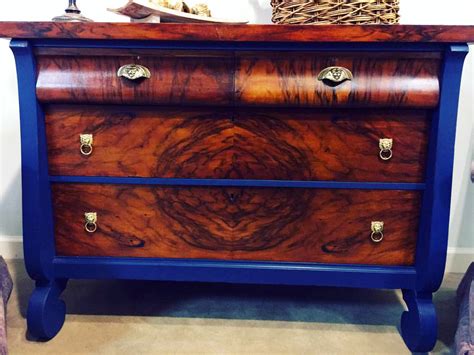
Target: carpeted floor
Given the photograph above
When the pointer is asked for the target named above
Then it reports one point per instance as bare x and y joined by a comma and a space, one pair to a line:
132, 317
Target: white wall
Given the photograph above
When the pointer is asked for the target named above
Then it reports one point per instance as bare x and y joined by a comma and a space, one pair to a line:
256, 11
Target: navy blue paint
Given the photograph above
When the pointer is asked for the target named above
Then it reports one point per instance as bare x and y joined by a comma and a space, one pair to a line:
37, 211
235, 272
434, 224
46, 311
243, 46
238, 183
419, 325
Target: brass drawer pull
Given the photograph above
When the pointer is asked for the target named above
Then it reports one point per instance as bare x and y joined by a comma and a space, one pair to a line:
86, 144
377, 231
386, 145
134, 72
91, 222
335, 75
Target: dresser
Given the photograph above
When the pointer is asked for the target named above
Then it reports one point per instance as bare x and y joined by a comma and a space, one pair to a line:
266, 154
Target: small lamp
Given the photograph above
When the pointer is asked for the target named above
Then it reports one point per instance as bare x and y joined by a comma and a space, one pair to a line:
72, 14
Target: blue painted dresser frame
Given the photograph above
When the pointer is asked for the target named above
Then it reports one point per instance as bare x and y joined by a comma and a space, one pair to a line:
46, 312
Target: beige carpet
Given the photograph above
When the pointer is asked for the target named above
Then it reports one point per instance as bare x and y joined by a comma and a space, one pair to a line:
132, 317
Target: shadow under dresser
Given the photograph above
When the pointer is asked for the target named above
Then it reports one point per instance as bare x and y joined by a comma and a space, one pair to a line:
321, 156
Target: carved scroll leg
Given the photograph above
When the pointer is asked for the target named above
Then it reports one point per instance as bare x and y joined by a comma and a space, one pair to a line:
46, 312
419, 325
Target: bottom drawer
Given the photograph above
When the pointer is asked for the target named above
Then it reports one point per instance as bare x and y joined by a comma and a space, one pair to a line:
266, 224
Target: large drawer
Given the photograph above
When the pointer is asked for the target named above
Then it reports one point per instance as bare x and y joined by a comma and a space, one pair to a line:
175, 78
294, 225
258, 144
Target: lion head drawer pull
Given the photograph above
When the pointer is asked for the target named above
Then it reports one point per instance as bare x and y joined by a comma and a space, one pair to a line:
134, 72
377, 231
386, 145
90, 222
86, 143
334, 76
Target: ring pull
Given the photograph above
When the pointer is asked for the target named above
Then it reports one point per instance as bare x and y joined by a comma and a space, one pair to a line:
134, 72
86, 144
377, 231
334, 76
385, 145
91, 222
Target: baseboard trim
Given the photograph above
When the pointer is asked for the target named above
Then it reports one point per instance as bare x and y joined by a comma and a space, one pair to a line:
11, 247
458, 259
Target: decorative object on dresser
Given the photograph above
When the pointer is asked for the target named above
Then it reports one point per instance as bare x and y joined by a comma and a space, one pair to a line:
298, 155
169, 11
344, 12
72, 14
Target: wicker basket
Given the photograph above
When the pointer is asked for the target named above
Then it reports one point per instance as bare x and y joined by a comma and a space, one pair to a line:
351, 12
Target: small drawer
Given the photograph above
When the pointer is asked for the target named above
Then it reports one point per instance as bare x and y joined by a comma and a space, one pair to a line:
176, 78
267, 224
259, 144
338, 79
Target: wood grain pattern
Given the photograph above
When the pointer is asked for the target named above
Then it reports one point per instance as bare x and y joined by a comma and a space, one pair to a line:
239, 33
201, 78
339, 145
195, 79
132, 141
248, 144
291, 80
299, 225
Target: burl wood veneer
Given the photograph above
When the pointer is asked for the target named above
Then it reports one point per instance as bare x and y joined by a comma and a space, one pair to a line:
380, 80
189, 78
239, 33
271, 79
243, 144
303, 225
241, 106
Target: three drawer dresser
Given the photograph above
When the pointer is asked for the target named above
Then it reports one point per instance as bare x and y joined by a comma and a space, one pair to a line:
273, 154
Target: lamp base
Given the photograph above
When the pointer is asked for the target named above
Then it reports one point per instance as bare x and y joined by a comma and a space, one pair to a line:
71, 17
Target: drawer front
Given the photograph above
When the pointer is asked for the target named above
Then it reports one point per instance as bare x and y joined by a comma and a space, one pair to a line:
378, 80
244, 79
181, 79
292, 145
294, 225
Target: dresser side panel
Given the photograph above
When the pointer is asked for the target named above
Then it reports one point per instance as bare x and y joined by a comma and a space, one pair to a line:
38, 234
434, 224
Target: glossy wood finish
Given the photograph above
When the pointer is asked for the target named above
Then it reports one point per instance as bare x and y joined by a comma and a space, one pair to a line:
269, 79
303, 225
257, 144
245, 230
240, 33
332, 145
132, 141
379, 80
188, 79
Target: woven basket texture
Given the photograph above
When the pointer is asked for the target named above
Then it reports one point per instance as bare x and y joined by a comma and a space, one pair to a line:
350, 12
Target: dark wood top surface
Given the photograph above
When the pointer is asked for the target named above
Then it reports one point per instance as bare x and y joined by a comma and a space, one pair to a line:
239, 33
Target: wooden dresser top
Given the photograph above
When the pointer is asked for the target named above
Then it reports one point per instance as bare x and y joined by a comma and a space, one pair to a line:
239, 33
